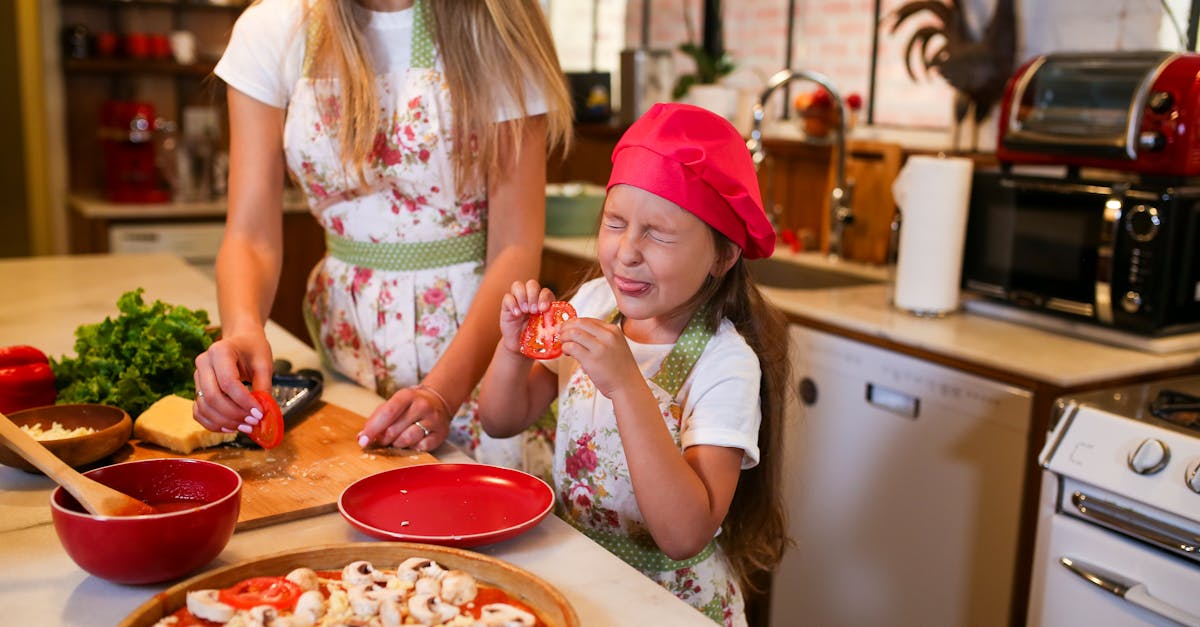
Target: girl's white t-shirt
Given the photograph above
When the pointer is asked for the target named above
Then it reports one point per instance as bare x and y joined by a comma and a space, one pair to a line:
265, 55
719, 399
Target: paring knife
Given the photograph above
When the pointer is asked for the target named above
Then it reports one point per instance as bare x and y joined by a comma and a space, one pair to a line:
1135, 592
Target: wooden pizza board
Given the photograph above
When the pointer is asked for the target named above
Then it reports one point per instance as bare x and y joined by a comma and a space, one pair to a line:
303, 476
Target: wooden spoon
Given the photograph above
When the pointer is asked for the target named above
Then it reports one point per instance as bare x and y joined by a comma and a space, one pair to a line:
94, 496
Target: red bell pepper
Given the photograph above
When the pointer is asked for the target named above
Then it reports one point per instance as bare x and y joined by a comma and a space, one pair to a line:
26, 379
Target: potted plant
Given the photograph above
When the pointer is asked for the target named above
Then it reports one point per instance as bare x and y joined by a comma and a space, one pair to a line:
701, 87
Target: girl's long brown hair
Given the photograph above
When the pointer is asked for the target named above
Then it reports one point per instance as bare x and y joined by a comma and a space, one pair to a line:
492, 52
754, 534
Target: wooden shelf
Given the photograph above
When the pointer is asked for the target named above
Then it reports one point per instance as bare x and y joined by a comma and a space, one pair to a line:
136, 66
199, 5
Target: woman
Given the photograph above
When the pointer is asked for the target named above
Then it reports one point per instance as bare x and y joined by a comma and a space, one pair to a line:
417, 130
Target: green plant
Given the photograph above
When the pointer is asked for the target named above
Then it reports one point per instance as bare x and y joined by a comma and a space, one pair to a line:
709, 68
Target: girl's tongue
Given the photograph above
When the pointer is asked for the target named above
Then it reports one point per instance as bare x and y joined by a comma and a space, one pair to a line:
630, 287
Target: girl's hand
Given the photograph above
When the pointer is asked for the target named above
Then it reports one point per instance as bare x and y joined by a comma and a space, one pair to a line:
414, 417
222, 401
521, 301
603, 353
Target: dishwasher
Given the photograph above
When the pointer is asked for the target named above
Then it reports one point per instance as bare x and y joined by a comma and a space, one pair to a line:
903, 483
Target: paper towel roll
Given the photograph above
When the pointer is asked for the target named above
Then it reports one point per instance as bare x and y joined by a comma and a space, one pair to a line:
933, 194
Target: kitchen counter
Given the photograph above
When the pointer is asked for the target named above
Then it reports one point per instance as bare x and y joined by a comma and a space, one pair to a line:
963, 339
39, 584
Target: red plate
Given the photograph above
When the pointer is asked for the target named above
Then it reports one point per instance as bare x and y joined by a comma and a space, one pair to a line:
460, 505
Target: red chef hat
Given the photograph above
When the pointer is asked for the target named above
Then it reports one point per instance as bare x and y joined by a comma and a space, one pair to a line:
697, 160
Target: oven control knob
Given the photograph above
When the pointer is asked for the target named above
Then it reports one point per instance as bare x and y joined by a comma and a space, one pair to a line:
1192, 476
1161, 101
1142, 222
1149, 456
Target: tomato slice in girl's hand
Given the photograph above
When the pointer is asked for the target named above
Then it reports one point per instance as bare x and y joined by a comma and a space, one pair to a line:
540, 340
268, 433
278, 592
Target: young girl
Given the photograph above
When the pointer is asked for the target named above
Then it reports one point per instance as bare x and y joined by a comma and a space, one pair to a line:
417, 131
673, 376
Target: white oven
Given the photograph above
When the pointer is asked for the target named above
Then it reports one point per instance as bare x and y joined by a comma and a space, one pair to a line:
1119, 518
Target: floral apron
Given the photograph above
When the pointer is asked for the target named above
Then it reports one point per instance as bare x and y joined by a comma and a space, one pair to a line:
406, 250
595, 493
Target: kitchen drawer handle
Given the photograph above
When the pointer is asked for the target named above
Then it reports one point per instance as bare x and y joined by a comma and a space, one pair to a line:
1136, 525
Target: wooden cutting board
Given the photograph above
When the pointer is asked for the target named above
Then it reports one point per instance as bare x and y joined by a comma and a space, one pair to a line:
303, 476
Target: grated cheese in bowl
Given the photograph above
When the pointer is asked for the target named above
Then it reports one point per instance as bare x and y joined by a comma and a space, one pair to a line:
55, 432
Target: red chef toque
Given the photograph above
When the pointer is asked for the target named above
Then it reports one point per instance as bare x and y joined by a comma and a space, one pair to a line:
697, 160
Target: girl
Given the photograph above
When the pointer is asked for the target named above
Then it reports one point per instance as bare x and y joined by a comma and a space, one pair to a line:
671, 388
417, 130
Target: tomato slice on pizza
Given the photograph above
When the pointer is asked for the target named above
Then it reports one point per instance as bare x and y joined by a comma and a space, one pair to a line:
541, 339
278, 592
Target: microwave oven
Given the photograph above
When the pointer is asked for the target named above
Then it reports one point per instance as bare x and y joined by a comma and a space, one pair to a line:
1121, 254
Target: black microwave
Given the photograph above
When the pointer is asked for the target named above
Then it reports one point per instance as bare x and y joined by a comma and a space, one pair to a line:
1120, 254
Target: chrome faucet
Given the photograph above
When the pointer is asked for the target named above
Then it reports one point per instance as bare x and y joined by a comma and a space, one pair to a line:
841, 197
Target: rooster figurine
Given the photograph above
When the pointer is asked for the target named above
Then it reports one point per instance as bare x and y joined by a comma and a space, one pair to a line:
977, 68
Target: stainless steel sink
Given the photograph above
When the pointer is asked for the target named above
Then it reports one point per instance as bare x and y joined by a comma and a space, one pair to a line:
777, 273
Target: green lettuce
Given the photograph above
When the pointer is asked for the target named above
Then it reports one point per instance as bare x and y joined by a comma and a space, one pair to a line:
144, 354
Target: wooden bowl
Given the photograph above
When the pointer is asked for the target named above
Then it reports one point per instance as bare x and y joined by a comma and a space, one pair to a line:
548, 603
112, 429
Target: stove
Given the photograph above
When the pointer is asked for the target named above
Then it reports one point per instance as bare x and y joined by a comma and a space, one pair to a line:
1118, 539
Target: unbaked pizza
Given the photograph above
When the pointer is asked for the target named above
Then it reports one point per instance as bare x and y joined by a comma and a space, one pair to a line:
419, 591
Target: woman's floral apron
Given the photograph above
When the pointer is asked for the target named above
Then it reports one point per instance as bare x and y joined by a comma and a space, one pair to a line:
405, 251
595, 494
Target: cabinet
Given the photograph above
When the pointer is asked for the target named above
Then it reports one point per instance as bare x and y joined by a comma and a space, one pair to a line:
903, 481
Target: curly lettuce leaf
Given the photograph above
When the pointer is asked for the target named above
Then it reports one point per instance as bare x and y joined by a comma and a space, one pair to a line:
147, 352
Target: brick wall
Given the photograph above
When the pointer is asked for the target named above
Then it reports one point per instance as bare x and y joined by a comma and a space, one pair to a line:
834, 37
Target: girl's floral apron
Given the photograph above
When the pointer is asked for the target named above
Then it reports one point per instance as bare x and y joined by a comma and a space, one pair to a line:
405, 251
595, 493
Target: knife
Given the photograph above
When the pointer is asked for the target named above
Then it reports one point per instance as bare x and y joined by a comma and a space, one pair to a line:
1135, 592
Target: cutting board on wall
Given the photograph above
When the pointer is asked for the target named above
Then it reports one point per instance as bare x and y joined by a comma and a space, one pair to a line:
303, 476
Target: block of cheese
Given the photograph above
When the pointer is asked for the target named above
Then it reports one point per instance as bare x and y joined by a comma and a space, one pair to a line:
169, 424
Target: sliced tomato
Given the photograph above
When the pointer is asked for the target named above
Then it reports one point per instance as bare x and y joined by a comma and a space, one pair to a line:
278, 592
268, 433
541, 340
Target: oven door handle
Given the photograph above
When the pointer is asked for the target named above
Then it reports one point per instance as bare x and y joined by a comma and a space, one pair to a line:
1132, 591
1135, 524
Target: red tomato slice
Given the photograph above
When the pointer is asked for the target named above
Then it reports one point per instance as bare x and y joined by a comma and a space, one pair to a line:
540, 339
278, 592
268, 433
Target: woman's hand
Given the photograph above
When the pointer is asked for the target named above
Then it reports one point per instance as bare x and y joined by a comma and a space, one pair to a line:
416, 417
222, 401
603, 353
518, 304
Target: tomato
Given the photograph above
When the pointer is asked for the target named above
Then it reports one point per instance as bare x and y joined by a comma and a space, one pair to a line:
540, 339
268, 433
278, 592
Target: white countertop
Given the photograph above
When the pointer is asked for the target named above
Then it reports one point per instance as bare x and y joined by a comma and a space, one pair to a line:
48, 297
94, 207
1052, 358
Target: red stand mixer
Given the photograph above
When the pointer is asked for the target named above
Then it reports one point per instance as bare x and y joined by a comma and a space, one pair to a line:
131, 173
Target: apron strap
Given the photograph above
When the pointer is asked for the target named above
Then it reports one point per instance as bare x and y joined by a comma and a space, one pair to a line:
422, 43
684, 355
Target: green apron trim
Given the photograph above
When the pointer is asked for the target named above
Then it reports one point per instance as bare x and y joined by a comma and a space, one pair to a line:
422, 45
684, 355
644, 556
407, 256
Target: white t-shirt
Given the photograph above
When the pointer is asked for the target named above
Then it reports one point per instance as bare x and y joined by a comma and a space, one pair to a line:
265, 54
719, 399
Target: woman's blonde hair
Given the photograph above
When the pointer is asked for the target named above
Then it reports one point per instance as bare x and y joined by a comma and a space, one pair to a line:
493, 53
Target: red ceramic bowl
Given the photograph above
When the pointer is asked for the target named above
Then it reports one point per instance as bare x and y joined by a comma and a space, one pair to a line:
158, 547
